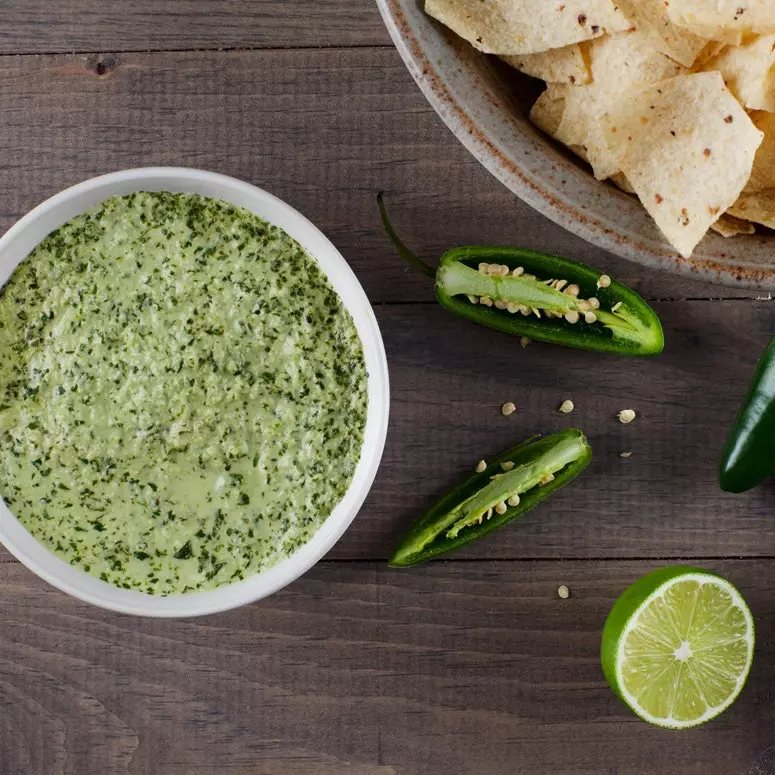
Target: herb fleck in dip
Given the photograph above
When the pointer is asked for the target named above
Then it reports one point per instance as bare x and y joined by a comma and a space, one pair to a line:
182, 393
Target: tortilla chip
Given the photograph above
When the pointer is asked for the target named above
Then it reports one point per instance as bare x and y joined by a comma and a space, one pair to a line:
509, 27
619, 63
687, 147
757, 202
558, 65
547, 112
716, 35
729, 226
619, 179
712, 49
718, 17
650, 16
749, 72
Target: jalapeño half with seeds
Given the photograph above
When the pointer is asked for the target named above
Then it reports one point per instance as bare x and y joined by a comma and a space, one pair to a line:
540, 296
496, 494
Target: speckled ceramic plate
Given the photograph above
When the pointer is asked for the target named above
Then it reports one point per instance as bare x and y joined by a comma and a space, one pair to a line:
485, 104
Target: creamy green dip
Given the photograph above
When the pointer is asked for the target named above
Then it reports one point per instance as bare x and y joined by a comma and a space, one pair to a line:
182, 393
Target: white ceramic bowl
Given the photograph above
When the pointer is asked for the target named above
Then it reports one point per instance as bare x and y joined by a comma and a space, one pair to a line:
30, 230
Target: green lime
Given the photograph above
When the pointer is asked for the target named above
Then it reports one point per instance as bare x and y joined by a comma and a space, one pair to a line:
677, 646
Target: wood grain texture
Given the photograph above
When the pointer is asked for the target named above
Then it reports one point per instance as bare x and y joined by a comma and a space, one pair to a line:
149, 25
454, 669
324, 130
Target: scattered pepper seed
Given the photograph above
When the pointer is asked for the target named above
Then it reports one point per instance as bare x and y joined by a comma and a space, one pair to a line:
566, 407
507, 465
625, 454
563, 592
604, 281
508, 408
481, 467
524, 341
626, 416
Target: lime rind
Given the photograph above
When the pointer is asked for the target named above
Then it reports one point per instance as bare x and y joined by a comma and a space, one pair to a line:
707, 678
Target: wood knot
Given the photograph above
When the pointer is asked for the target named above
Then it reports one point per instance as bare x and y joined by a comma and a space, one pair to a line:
104, 64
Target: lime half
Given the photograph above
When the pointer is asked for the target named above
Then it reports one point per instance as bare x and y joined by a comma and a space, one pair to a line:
677, 646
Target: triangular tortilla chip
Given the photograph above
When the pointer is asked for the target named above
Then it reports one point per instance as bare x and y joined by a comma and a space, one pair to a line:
687, 147
508, 27
749, 72
558, 65
757, 202
620, 180
650, 16
729, 226
717, 17
711, 50
619, 63
547, 112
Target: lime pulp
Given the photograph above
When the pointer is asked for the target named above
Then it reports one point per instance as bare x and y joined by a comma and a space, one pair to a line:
677, 646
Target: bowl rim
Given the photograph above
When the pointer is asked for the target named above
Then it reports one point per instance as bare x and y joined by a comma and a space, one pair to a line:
444, 87
32, 228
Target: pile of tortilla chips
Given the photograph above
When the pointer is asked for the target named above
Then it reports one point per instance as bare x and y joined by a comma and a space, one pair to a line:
674, 102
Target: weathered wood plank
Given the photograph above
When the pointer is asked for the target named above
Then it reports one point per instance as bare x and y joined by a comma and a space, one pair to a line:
149, 25
358, 670
450, 378
324, 130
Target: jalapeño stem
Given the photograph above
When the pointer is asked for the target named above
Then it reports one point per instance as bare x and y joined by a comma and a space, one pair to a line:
399, 244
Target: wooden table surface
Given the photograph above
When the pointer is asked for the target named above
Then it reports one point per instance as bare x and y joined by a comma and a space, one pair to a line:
469, 666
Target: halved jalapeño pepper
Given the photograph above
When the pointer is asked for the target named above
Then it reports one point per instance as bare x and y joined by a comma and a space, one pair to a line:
749, 454
540, 296
510, 485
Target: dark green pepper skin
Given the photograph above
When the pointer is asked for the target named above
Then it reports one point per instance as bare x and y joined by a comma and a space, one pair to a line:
647, 339
624, 324
408, 552
749, 454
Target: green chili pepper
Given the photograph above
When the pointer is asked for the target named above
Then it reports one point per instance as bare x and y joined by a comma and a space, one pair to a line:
542, 296
749, 454
511, 485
